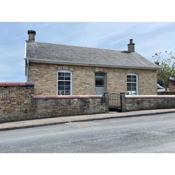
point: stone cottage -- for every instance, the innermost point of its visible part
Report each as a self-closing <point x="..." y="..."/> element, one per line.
<point x="57" y="69"/>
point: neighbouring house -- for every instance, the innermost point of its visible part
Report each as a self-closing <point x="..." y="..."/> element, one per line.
<point x="171" y="87"/>
<point x="57" y="69"/>
<point x="172" y="84"/>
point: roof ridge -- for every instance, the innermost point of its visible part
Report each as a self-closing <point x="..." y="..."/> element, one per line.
<point x="67" y="45"/>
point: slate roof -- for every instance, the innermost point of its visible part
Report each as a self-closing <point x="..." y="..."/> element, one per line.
<point x="74" y="55"/>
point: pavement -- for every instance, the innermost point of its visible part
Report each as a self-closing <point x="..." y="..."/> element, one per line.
<point x="146" y="134"/>
<point x="79" y="118"/>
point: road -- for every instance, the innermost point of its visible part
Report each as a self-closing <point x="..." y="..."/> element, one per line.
<point x="137" y="134"/>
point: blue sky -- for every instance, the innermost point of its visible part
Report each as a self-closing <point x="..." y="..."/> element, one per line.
<point x="148" y="37"/>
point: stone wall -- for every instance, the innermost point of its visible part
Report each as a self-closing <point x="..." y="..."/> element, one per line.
<point x="146" y="102"/>
<point x="53" y="106"/>
<point x="16" y="101"/>
<point x="44" y="76"/>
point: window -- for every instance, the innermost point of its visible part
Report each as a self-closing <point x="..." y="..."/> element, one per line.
<point x="132" y="84"/>
<point x="64" y="83"/>
<point x="100" y="82"/>
<point x="100" y="79"/>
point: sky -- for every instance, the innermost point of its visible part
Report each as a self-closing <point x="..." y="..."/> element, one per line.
<point x="149" y="38"/>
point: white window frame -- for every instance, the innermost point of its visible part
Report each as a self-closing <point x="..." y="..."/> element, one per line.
<point x="137" y="83"/>
<point x="65" y="71"/>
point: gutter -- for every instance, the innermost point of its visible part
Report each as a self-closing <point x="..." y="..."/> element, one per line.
<point x="87" y="64"/>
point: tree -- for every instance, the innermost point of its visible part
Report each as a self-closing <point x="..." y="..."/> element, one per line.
<point x="166" y="60"/>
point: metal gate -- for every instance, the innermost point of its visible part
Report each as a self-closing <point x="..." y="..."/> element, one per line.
<point x="114" y="101"/>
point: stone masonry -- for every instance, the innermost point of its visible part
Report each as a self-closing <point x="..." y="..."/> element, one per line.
<point x="147" y="102"/>
<point x="44" y="76"/>
<point x="52" y="106"/>
<point x="17" y="102"/>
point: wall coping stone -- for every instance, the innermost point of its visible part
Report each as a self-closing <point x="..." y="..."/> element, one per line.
<point x="150" y="96"/>
<point x="23" y="84"/>
<point x="67" y="96"/>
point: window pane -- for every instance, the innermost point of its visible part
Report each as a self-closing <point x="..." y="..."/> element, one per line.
<point x="133" y="86"/>
<point x="129" y="87"/>
<point x="60" y="83"/>
<point x="99" y="83"/>
<point x="67" y="78"/>
<point x="99" y="74"/>
<point x="60" y="78"/>
<point x="100" y="79"/>
<point x="128" y="78"/>
<point x="61" y="74"/>
<point x="133" y="78"/>
<point x="67" y="74"/>
<point x="67" y="87"/>
<point x="67" y="83"/>
<point x="67" y="93"/>
<point x="61" y="87"/>
<point x="60" y="92"/>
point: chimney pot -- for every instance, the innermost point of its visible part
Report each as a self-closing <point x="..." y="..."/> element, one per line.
<point x="131" y="40"/>
<point x="157" y="62"/>
<point x="31" y="35"/>
<point x="131" y="46"/>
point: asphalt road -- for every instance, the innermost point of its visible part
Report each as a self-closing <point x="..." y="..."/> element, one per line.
<point x="137" y="134"/>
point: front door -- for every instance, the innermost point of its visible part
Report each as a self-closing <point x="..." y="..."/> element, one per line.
<point x="100" y="83"/>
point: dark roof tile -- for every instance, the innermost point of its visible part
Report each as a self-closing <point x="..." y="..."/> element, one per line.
<point x="60" y="54"/>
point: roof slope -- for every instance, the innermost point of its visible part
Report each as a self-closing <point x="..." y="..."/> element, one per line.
<point x="74" y="55"/>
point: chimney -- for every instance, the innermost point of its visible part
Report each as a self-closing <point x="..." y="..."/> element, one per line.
<point x="131" y="46"/>
<point x="157" y="63"/>
<point x="31" y="36"/>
